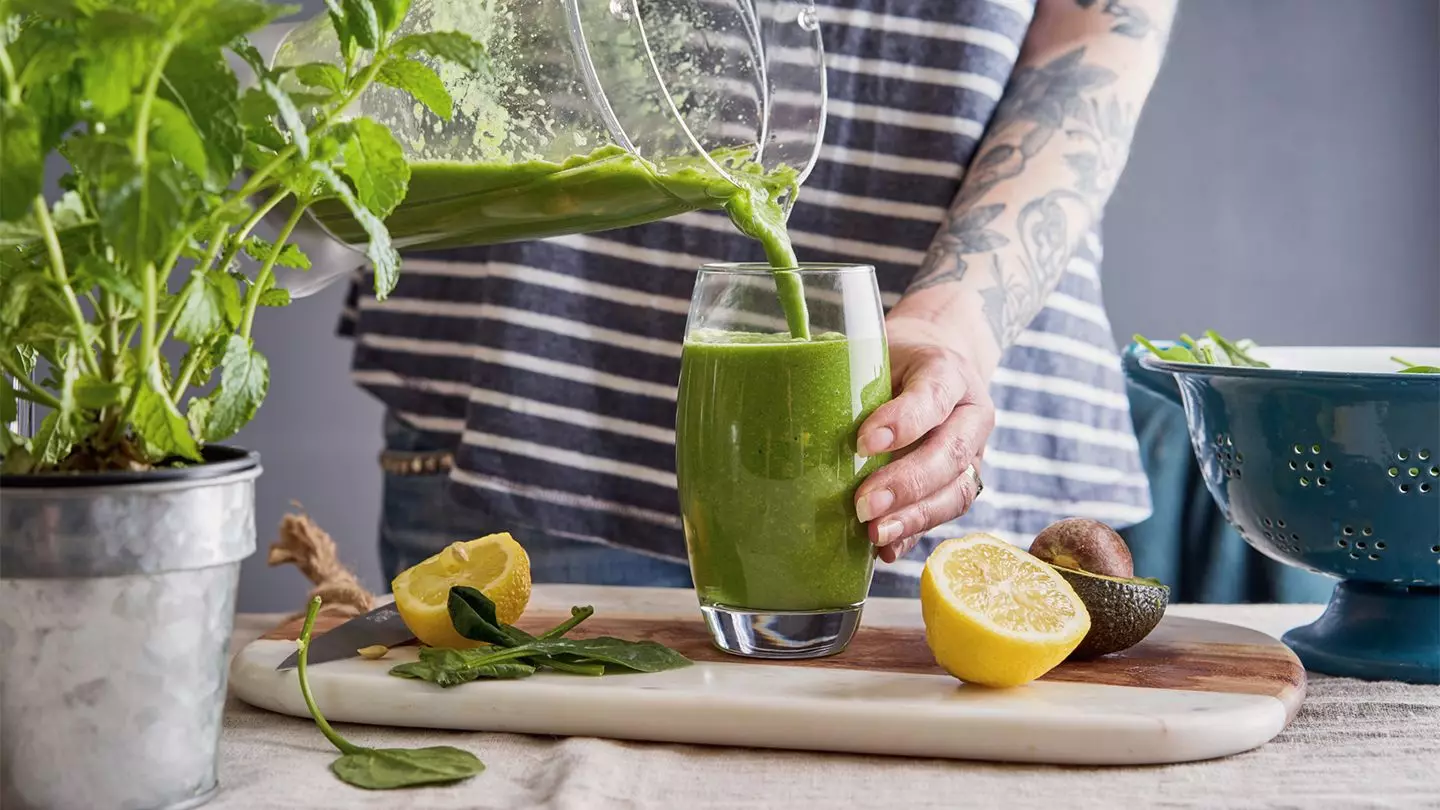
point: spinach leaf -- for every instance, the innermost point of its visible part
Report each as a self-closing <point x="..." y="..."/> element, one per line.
<point x="636" y="656"/>
<point x="1411" y="368"/>
<point x="473" y="616"/>
<point x="450" y="667"/>
<point x="382" y="768"/>
<point x="388" y="768"/>
<point x="1178" y="354"/>
<point x="1190" y="350"/>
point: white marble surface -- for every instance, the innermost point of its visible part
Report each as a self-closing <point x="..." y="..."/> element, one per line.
<point x="751" y="704"/>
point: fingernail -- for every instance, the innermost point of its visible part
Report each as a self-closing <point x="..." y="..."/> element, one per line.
<point x="876" y="441"/>
<point x="890" y="532"/>
<point x="874" y="505"/>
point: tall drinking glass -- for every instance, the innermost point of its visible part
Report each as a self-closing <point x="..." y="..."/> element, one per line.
<point x="766" y="453"/>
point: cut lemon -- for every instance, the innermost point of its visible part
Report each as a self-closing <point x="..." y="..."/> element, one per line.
<point x="495" y="565"/>
<point x="995" y="615"/>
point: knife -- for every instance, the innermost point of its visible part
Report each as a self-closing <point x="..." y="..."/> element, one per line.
<point x="382" y="625"/>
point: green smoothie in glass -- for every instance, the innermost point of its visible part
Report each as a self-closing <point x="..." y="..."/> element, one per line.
<point x="767" y="466"/>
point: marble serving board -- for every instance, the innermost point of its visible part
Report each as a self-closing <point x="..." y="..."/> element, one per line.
<point x="1193" y="690"/>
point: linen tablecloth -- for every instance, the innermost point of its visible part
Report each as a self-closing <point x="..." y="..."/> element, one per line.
<point x="1354" y="744"/>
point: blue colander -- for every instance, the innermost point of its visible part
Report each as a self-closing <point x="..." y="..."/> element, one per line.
<point x="1329" y="461"/>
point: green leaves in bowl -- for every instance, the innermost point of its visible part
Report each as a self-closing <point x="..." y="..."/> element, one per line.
<point x="1212" y="350"/>
<point x="1412" y="368"/>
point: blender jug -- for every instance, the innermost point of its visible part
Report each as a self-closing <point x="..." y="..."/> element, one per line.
<point x="593" y="114"/>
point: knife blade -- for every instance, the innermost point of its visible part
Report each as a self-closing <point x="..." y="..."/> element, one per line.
<point x="382" y="625"/>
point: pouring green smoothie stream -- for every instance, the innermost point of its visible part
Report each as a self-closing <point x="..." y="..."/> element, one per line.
<point x="766" y="424"/>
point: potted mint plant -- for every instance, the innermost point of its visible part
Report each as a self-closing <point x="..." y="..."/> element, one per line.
<point x="124" y="518"/>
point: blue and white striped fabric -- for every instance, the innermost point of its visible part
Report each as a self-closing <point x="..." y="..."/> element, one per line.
<point x="552" y="366"/>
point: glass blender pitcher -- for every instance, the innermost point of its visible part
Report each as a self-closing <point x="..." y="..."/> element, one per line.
<point x="594" y="114"/>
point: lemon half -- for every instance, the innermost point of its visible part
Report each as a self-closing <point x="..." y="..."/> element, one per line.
<point x="995" y="615"/>
<point x="495" y="565"/>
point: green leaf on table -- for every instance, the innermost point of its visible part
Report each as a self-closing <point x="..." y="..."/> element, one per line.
<point x="23" y="162"/>
<point x="451" y="46"/>
<point x="321" y="74"/>
<point x="172" y="133"/>
<point x="259" y="249"/>
<point x="389" y="768"/>
<point x="636" y="656"/>
<point x="381" y="768"/>
<point x="448" y="668"/>
<point x="375" y="163"/>
<point x="203" y="86"/>
<point x="473" y="616"/>
<point x="420" y="81"/>
<point x="244" y="381"/>
<point x="384" y="259"/>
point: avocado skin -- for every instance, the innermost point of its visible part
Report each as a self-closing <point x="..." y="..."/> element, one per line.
<point x="1122" y="611"/>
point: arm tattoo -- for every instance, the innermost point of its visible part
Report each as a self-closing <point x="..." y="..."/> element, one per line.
<point x="1040" y="103"/>
<point x="1129" y="21"/>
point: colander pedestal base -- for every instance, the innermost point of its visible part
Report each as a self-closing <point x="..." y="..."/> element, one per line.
<point x="1374" y="632"/>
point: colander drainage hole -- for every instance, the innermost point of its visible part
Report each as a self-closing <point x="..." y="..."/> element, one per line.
<point x="1360" y="544"/>
<point x="1423" y="455"/>
<point x="1367" y="531"/>
<point x="1280" y="523"/>
<point x="1404" y="488"/>
<point x="1402" y="455"/>
<point x="1374" y="556"/>
<point x="1380" y="545"/>
<point x="1310" y="465"/>
<point x="1413" y="472"/>
<point x="1321" y="481"/>
<point x="1348" y="531"/>
<point x="1354" y="555"/>
<point x="1328" y="466"/>
<point x="1342" y="543"/>
<point x="1435" y="549"/>
<point x="1393" y="472"/>
<point x="1424" y="487"/>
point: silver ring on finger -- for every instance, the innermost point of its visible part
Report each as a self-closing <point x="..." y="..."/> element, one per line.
<point x="972" y="473"/>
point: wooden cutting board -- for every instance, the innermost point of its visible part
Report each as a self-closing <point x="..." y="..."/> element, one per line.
<point x="1193" y="690"/>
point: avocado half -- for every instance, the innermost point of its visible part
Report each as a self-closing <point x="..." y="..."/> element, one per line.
<point x="1122" y="611"/>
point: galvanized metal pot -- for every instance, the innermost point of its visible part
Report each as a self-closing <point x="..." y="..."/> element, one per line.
<point x="117" y="599"/>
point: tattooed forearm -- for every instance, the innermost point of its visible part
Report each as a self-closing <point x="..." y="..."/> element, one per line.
<point x="1051" y="156"/>
<point x="1041" y="103"/>
<point x="1130" y="20"/>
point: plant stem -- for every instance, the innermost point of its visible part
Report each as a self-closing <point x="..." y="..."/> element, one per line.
<point x="577" y="615"/>
<point x="267" y="271"/>
<point x="36" y="394"/>
<point x="7" y="69"/>
<point x="345" y="746"/>
<point x="57" y="264"/>
<point x="182" y="381"/>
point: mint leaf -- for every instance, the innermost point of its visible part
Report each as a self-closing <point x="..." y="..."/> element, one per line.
<point x="451" y="46"/>
<point x="95" y="270"/>
<point x="417" y="79"/>
<point x="93" y="393"/>
<point x="172" y="132"/>
<point x="275" y="297"/>
<point x="289" y="114"/>
<point x="321" y="74"/>
<point x="160" y="425"/>
<point x="375" y="163"/>
<point x="202" y="314"/>
<point x="24" y="163"/>
<point x="247" y="51"/>
<point x="197" y="415"/>
<point x="382" y="255"/>
<point x="391" y="13"/>
<point x="206" y="357"/>
<point x="139" y="205"/>
<point x="9" y="409"/>
<point x="224" y="20"/>
<point x="115" y="60"/>
<point x="54" y="439"/>
<point x="244" y="380"/>
<point x="362" y="22"/>
<point x="202" y="84"/>
<point x="290" y="256"/>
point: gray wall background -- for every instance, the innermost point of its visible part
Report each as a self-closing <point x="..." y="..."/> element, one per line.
<point x="1285" y="185"/>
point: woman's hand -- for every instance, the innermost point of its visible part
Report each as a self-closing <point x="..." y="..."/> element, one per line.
<point x="935" y="428"/>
